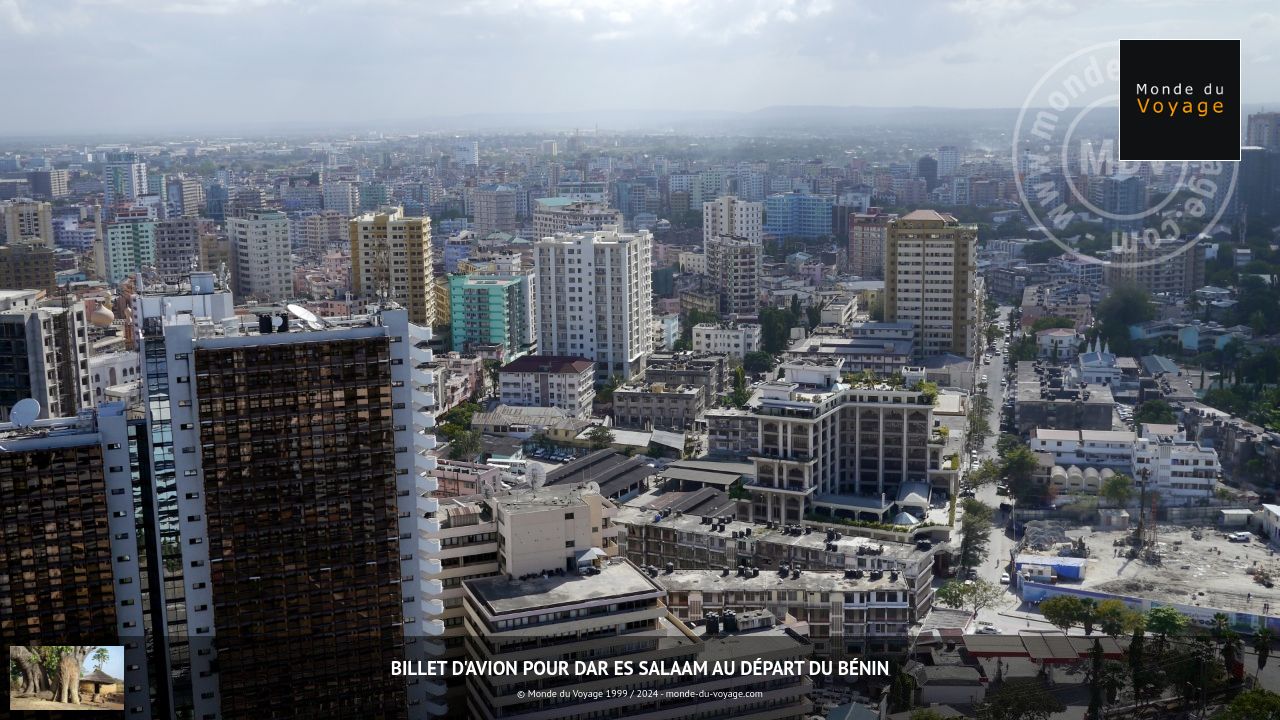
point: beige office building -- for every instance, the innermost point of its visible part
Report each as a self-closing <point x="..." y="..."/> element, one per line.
<point x="931" y="280"/>
<point x="391" y="257"/>
<point x="28" y="221"/>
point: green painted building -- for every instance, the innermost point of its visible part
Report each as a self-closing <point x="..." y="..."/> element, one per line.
<point x="491" y="315"/>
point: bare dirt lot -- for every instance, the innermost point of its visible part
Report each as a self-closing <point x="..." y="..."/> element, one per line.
<point x="35" y="703"/>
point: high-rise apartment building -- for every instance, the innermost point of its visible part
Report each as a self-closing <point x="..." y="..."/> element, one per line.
<point x="177" y="247"/>
<point x="70" y="565"/>
<point x="729" y="216"/>
<point x="27" y="221"/>
<point x="49" y="184"/>
<point x="127" y="248"/>
<point x="797" y="214"/>
<point x="291" y="470"/>
<point x="44" y="355"/>
<point x="1162" y="267"/>
<point x="1257" y="195"/>
<point x="489" y="315"/>
<point x="1264" y="131"/>
<point x="342" y="197"/>
<point x="868" y="234"/>
<point x="927" y="169"/>
<point x="1122" y="200"/>
<point x="28" y="267"/>
<point x="948" y="161"/>
<point x="931" y="280"/>
<point x="466" y="152"/>
<point x="184" y="196"/>
<point x="494" y="209"/>
<point x="734" y="266"/>
<point x="124" y="178"/>
<point x="320" y="231"/>
<point x="262" y="267"/>
<point x="557" y="215"/>
<point x="391" y="258"/>
<point x="595" y="298"/>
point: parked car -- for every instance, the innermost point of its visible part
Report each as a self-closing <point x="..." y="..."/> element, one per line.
<point x="1004" y="578"/>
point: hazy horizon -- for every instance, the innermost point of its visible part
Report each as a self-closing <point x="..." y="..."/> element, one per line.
<point x="105" y="67"/>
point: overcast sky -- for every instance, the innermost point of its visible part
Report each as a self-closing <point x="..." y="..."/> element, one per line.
<point x="147" y="65"/>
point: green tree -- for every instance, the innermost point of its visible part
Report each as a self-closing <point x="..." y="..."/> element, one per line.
<point x="600" y="437"/>
<point x="1154" y="411"/>
<point x="1050" y="322"/>
<point x="605" y="392"/>
<point x="1020" y="699"/>
<point x="1166" y="622"/>
<point x="876" y="309"/>
<point x="979" y="425"/>
<point x="1127" y="304"/>
<point x="1006" y="443"/>
<point x="757" y="362"/>
<point x="1115" y="618"/>
<point x="975" y="532"/>
<point x="1063" y="611"/>
<point x="972" y="594"/>
<point x="1118" y="489"/>
<point x="1023" y="349"/>
<point x="987" y="472"/>
<point x="1256" y="704"/>
<point x="465" y="445"/>
<point x="1136" y="656"/>
<point x="813" y="314"/>
<point x="100" y="657"/>
<point x="1097" y="693"/>
<point x="1018" y="468"/>
<point x="901" y="691"/>
<point x="493" y="368"/>
<point x="739" y="396"/>
<point x="992" y="333"/>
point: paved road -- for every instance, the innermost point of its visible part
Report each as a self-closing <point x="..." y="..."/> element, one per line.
<point x="1001" y="544"/>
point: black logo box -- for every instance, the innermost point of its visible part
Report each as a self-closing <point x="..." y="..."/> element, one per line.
<point x="1189" y="65"/>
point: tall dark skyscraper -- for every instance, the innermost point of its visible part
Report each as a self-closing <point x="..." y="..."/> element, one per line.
<point x="927" y="168"/>
<point x="250" y="530"/>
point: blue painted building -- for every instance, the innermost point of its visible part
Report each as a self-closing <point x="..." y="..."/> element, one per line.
<point x="797" y="214"/>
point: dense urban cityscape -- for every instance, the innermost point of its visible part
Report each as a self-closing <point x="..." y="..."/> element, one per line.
<point x="546" y="421"/>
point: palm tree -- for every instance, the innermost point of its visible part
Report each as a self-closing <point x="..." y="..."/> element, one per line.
<point x="1220" y="627"/>
<point x="1232" y="649"/>
<point x="1262" y="645"/>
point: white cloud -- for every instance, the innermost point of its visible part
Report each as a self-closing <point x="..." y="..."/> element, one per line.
<point x="12" y="18"/>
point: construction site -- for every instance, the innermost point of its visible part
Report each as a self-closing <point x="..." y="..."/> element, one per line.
<point x="1200" y="570"/>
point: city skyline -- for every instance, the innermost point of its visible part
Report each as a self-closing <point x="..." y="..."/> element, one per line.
<point x="217" y="73"/>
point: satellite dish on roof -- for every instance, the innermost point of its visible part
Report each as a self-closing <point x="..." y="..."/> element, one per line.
<point x="277" y="321"/>
<point x="25" y="412"/>
<point x="591" y="488"/>
<point x="307" y="317"/>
